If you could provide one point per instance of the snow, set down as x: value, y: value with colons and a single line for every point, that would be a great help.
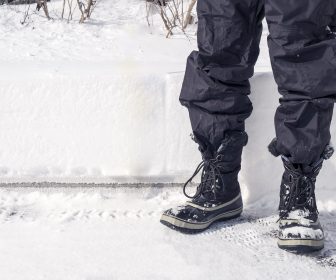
x: 98, y: 103
x: 299, y: 214
x: 302, y: 232
x: 55, y: 232
x: 299, y: 220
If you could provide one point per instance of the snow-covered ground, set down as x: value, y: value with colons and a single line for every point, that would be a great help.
x: 98, y: 102
x: 98, y: 233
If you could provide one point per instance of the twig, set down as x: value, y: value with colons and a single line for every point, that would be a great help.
x: 43, y: 4
x: 188, y: 15
x: 70, y: 10
x: 26, y: 15
x: 63, y: 9
x: 80, y: 6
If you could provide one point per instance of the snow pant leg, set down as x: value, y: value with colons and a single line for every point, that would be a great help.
x: 216, y: 87
x: 333, y: 20
x: 303, y: 56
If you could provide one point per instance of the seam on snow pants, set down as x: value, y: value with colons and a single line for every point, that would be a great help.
x: 302, y: 49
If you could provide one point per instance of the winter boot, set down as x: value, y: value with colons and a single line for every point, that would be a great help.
x: 218, y: 195
x: 299, y: 227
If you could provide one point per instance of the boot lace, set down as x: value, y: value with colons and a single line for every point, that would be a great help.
x: 210, y: 171
x: 301, y: 194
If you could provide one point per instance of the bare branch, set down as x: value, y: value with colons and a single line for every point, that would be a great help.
x: 43, y: 4
x: 188, y: 15
x: 172, y: 13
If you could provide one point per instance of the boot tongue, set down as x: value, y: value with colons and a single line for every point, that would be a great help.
x: 302, y: 186
x: 303, y: 190
x: 306, y: 200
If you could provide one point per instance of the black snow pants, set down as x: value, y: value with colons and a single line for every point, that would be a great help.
x: 302, y: 48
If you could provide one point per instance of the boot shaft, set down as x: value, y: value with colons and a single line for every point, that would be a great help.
x: 297, y: 190
x: 219, y: 180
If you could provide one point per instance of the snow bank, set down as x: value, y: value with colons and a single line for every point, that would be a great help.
x: 101, y: 125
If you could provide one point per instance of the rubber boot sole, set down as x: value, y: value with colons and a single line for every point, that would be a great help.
x: 192, y: 227
x: 301, y: 245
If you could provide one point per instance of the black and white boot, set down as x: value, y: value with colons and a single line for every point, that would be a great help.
x: 218, y: 195
x: 299, y: 227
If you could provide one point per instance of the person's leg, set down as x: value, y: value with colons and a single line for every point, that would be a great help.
x: 215, y: 91
x: 333, y: 23
x: 216, y: 83
x: 302, y: 50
